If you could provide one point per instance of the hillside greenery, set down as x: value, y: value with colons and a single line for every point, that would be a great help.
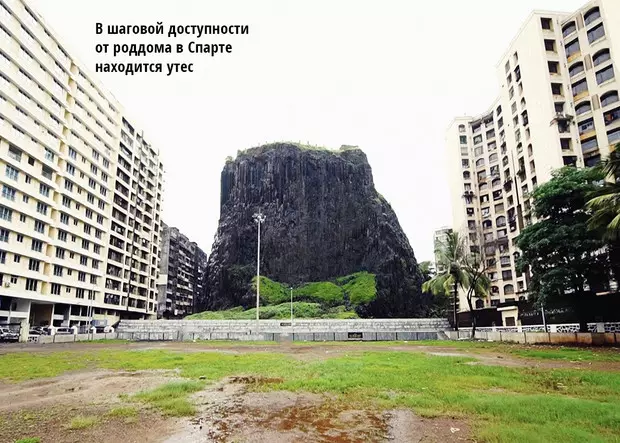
x: 326, y: 299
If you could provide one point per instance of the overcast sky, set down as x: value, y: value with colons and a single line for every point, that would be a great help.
x: 386, y: 75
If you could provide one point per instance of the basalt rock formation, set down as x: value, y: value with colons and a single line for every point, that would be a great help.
x: 323, y: 220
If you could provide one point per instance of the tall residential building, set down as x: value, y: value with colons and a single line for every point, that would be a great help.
x: 182, y: 274
x: 81, y: 187
x: 558, y: 105
x: 439, y: 237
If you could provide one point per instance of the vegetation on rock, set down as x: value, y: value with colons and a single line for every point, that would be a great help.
x: 324, y: 299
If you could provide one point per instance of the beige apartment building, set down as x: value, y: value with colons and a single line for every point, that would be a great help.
x: 558, y: 105
x: 81, y: 188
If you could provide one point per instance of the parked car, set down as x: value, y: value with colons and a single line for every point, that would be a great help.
x: 64, y: 331
x: 6, y: 335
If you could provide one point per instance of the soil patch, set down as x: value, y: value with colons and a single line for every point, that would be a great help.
x: 79, y: 388
x: 52, y: 425
x: 230, y: 412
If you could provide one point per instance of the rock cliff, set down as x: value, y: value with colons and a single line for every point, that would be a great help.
x: 323, y: 220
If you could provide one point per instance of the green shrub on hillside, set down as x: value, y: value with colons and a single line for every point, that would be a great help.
x: 271, y: 292
x: 323, y: 292
x: 361, y: 287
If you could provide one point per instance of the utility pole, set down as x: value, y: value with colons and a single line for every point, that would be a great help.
x: 291, y: 306
x: 258, y: 218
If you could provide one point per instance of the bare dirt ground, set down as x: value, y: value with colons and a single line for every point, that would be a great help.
x: 229, y: 413
x: 44, y: 408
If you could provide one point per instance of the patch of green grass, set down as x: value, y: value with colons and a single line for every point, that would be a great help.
x: 172, y: 398
x: 83, y: 422
x: 123, y: 411
x: 29, y: 440
x: 20, y: 366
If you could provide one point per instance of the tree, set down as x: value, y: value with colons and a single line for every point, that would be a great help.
x: 476, y: 267
x: 606, y: 203
x: 451, y: 258
x: 605, y: 207
x: 565, y: 257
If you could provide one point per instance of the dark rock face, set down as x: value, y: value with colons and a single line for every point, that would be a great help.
x: 324, y: 219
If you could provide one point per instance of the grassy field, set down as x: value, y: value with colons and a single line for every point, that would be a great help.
x: 501, y: 403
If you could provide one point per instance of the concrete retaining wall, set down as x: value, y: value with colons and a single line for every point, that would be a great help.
x: 539, y: 338
x: 69, y: 338
x: 188, y: 327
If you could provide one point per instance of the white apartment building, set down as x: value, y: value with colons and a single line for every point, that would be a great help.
x: 81, y: 188
x: 558, y: 105
x: 439, y: 238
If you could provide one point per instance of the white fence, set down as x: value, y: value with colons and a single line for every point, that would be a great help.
x: 563, y: 328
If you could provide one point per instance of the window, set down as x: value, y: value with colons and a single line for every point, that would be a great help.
x: 554, y: 67
x: 66, y: 201
x: 70, y: 169
x: 49, y: 155
x: 572, y: 48
x: 465, y: 163
x: 613, y: 136
x: 31, y: 284
x: 596, y: 33
x: 96, y: 249
x: 589, y: 144
x: 64, y: 218
x: 463, y: 139
x: 72, y: 153
x: 580, y: 87
x: 6, y: 213
x: 477, y: 139
x: 16, y: 258
x: 605, y: 74
x: 493, y: 158
x: 58, y: 270
x: 565, y: 143
x: 582, y: 108
x: 575, y: 69
x: 466, y: 175
x: 46, y: 172
x: 34, y: 265
x: 39, y: 226
x: 20, y: 238
x: 8, y: 193
x: 546, y: 23
x: 480, y: 162
x: 601, y: 56
x: 568, y: 29
x: 609, y: 98
x: 44, y: 190
x: 4, y: 235
x: 79, y: 293
x: 506, y: 275
x: 556, y: 89
x: 42, y: 208
x: 37, y: 245
x: 85, y: 244
x: 586, y: 126
x: 83, y: 260
x: 509, y: 289
x: 611, y: 116
x: 60, y: 253
x: 11, y: 172
x: 592, y: 15
x: 55, y: 289
x: 81, y: 276
x: 62, y: 235
x: 550, y: 45
x: 15, y: 153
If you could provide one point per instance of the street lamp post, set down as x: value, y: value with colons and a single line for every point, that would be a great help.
x: 291, y: 306
x: 258, y: 218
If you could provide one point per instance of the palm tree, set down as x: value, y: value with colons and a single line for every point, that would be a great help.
x: 606, y: 204
x: 452, y: 260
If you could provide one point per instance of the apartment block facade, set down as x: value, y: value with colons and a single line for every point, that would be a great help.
x: 182, y: 274
x: 81, y: 188
x: 558, y: 105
